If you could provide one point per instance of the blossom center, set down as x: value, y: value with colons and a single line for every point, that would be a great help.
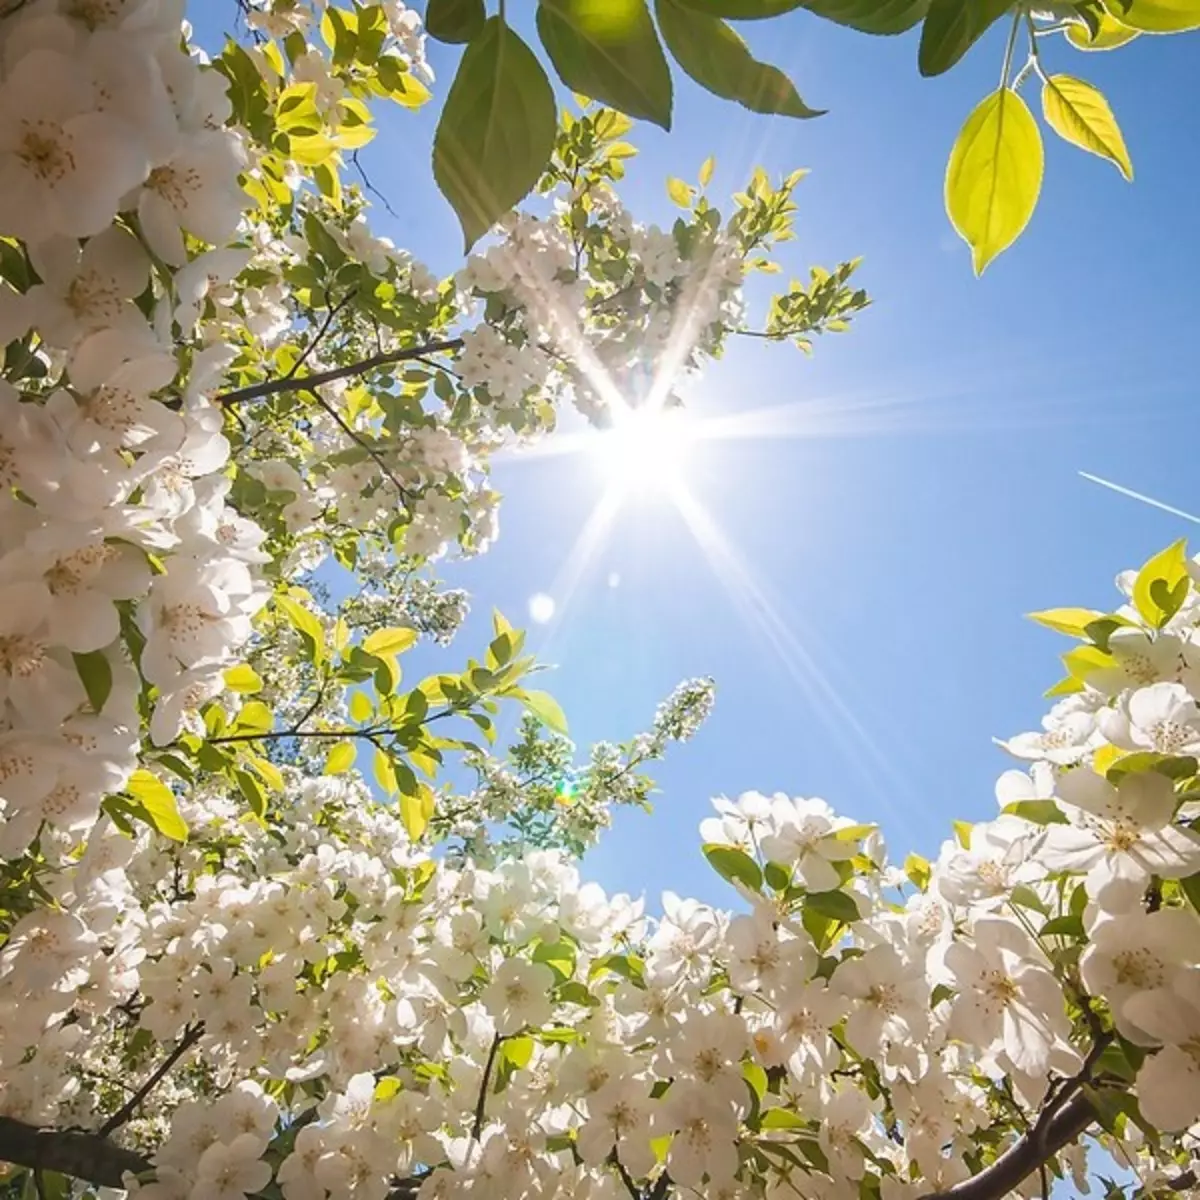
x: 173, y: 184
x: 1000, y: 987
x: 21, y: 656
x: 43, y: 151
x: 1140, y: 968
x: 1170, y: 737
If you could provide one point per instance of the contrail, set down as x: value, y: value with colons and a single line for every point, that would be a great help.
x: 1124, y: 491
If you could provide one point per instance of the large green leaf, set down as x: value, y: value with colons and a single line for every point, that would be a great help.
x: 157, y: 804
x: 743, y: 10
x: 1108, y: 34
x: 1156, y: 16
x: 608, y: 50
x: 1079, y: 113
x: 952, y: 27
x: 994, y: 175
x: 871, y: 16
x: 717, y: 59
x: 734, y: 865
x: 497, y: 129
x: 455, y: 21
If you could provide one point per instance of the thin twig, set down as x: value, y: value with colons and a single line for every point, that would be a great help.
x: 319, y: 336
x: 272, y: 387
x: 362, y: 442
x: 477, y: 1125
x: 626, y: 1179
x: 372, y: 188
x: 190, y: 1037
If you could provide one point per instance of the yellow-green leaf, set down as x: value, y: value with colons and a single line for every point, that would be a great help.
x: 159, y: 802
x: 994, y: 175
x: 341, y: 758
x: 679, y: 192
x: 1156, y: 16
x: 1080, y: 114
x: 1071, y: 621
x: 1109, y: 34
x: 546, y: 709
x: 305, y: 622
x: 706, y: 170
x: 243, y: 678
x: 361, y: 708
x: 1162, y: 585
x: 254, y: 717
x: 270, y: 773
x: 390, y: 641
x: 385, y: 772
x: 417, y: 810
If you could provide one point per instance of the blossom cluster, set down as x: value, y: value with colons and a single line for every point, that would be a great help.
x: 122, y: 564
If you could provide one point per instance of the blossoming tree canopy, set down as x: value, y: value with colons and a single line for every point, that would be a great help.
x: 256, y: 942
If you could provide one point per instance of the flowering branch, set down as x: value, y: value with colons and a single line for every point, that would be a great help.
x: 287, y: 383
x: 74, y: 1152
x: 477, y: 1125
x: 190, y: 1037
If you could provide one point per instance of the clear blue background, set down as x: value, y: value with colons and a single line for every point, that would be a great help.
x: 935, y: 501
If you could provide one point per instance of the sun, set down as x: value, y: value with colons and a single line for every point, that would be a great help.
x: 645, y: 450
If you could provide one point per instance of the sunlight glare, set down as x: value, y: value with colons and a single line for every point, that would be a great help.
x: 645, y: 450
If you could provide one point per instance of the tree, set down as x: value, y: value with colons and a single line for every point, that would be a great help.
x: 231, y: 967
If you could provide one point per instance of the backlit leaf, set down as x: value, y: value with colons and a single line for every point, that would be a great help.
x: 454, y: 21
x: 734, y: 865
x: 546, y: 709
x: 1079, y: 113
x: 1156, y: 16
x: 390, y: 641
x: 496, y: 130
x: 340, y: 758
x: 994, y: 175
x: 158, y: 801
x: 1162, y: 585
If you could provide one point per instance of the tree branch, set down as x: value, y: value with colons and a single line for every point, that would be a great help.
x: 190, y: 1037
x: 1026, y: 1155
x: 477, y: 1127
x: 287, y: 383
x: 87, y: 1156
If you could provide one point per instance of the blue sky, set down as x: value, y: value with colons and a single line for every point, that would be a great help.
x: 901, y: 551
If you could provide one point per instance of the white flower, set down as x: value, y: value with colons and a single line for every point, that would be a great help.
x: 1120, y: 835
x: 231, y: 1171
x: 889, y: 999
x: 1006, y: 1001
x: 805, y: 839
x: 1063, y: 740
x: 89, y: 289
x: 1164, y: 718
x: 1168, y: 1083
x: 518, y: 995
x: 32, y: 678
x: 619, y: 1116
x: 705, y: 1124
x: 63, y: 166
x: 195, y: 190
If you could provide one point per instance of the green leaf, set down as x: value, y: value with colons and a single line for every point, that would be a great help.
x: 885, y: 17
x: 517, y: 1050
x: 756, y: 1078
x: 952, y: 27
x: 250, y: 789
x: 1156, y: 16
x: 1080, y: 114
x: 545, y: 708
x: 417, y: 808
x: 305, y: 623
x: 608, y: 50
x: 994, y: 175
x: 361, y: 708
x: 1108, y: 34
x: 839, y: 906
x: 680, y: 193
x: 743, y: 10
x: 390, y: 641
x: 496, y: 131
x: 243, y: 678
x: 1068, y: 926
x: 1191, y: 889
x: 783, y: 1118
x: 254, y: 717
x: 1162, y: 585
x: 918, y: 871
x: 1071, y: 621
x: 733, y: 865
x: 778, y: 878
x: 95, y: 673
x: 1040, y: 812
x: 454, y: 21
x: 158, y: 801
x: 717, y: 59
x: 341, y: 758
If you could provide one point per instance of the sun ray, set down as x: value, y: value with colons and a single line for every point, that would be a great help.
x: 761, y: 615
x: 1144, y: 499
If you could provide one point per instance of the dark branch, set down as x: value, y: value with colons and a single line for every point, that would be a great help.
x: 481, y: 1104
x: 363, y: 444
x: 1026, y: 1155
x: 190, y: 1037
x: 86, y: 1156
x: 287, y: 383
